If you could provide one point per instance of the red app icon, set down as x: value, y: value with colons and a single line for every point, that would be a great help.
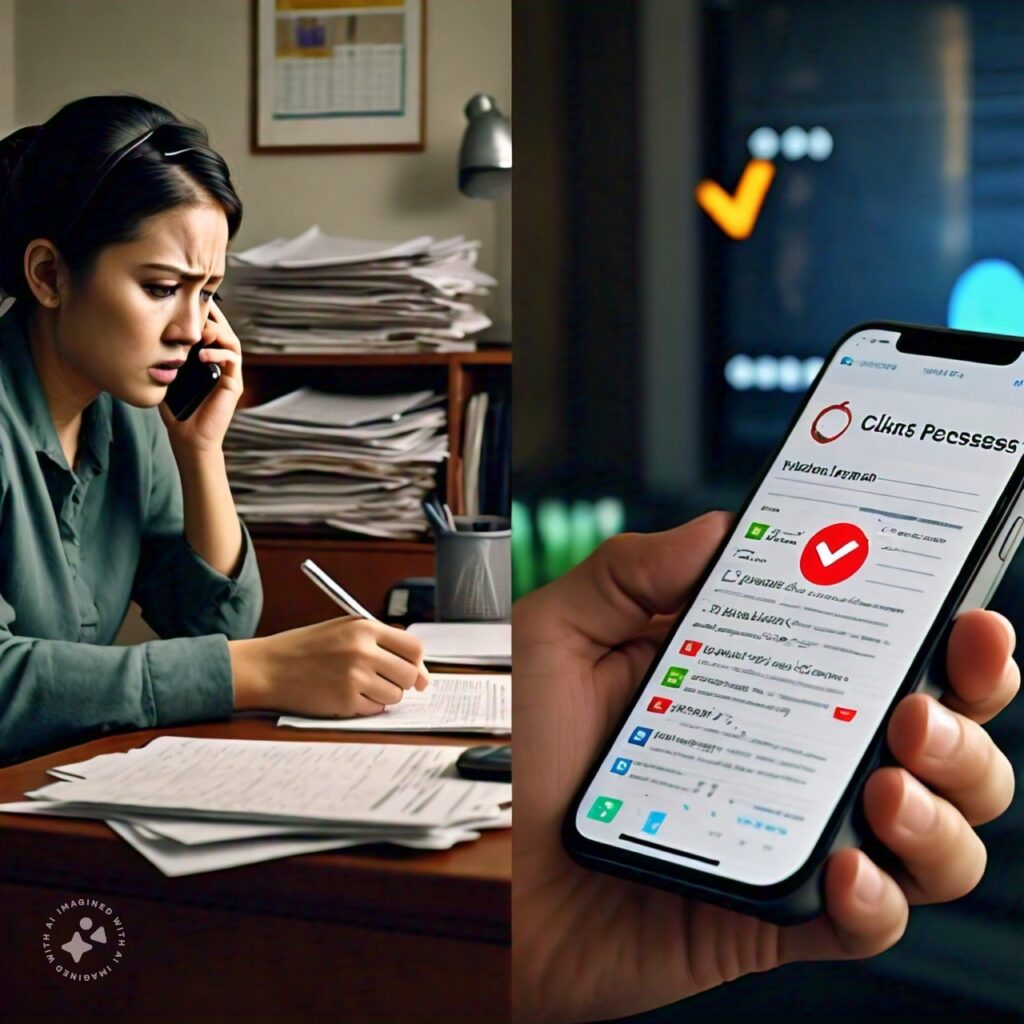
x: 834, y: 554
x: 659, y: 705
x: 691, y: 648
x: 844, y: 714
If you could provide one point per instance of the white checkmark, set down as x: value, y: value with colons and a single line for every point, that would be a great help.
x: 829, y: 557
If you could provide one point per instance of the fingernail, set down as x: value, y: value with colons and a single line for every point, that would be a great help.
x: 917, y: 812
x: 943, y: 731
x: 869, y: 885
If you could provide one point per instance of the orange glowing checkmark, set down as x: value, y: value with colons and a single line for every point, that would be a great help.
x: 737, y: 214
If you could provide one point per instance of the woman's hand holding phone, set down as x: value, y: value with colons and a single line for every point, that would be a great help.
x: 588, y: 946
x: 204, y: 430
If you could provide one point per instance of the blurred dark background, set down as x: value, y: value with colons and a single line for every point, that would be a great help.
x: 658, y: 360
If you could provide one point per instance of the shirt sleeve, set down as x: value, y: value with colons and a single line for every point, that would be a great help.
x: 55, y: 693
x: 179, y: 593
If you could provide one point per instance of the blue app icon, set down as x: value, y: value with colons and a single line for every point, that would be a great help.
x: 846, y: 361
x: 640, y: 736
x: 622, y: 765
x: 653, y: 822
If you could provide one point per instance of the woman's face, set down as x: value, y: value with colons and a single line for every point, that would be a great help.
x: 145, y: 304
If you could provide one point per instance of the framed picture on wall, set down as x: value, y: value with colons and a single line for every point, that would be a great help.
x: 338, y: 75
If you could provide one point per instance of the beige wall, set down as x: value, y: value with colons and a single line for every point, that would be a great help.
x: 7, y: 114
x: 194, y: 57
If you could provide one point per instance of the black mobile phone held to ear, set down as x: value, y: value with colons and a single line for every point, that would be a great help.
x: 895, y: 502
x: 195, y: 380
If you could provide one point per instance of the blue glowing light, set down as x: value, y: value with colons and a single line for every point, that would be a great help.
x: 989, y: 296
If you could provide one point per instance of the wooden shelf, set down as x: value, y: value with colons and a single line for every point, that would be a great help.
x: 366, y: 566
x: 315, y: 538
x: 482, y: 357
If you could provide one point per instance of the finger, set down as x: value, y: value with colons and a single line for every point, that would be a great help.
x: 611, y: 596
x: 381, y: 690
x: 230, y: 361
x: 943, y: 857
x: 866, y: 913
x: 399, y: 671
x: 401, y: 643
x: 423, y: 679
x: 981, y: 671
x: 953, y: 755
x: 364, y: 707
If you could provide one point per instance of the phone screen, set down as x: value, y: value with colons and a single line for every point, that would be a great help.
x: 748, y: 732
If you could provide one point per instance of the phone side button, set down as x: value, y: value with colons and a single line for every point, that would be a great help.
x: 1012, y: 540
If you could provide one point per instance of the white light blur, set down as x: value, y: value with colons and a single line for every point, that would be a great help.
x: 763, y: 143
x: 819, y: 143
x: 794, y: 143
x: 739, y: 372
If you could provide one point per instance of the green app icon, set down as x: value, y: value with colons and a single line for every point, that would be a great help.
x: 755, y: 531
x: 674, y: 677
x: 605, y: 808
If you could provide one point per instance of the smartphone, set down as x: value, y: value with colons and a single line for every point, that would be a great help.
x: 895, y: 501
x: 195, y: 380
x: 489, y: 764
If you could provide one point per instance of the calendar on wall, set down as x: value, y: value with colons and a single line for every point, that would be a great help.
x: 338, y: 74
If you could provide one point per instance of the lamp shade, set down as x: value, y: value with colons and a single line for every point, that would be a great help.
x: 485, y: 156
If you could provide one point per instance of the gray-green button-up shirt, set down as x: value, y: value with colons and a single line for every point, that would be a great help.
x: 75, y: 548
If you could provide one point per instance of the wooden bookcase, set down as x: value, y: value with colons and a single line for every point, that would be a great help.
x: 365, y: 567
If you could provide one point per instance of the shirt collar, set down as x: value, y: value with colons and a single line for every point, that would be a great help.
x: 21, y: 382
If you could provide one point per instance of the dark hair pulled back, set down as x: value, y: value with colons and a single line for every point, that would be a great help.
x: 50, y: 184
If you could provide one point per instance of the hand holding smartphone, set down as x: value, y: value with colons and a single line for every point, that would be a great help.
x: 895, y: 502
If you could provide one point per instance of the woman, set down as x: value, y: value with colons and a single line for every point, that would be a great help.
x: 114, y: 224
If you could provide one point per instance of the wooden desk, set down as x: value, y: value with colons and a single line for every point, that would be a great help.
x: 376, y: 934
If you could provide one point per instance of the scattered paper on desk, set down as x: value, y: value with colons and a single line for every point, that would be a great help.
x: 451, y: 703
x: 481, y: 644
x: 180, y: 841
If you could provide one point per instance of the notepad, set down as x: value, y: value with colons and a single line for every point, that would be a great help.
x: 452, y: 703
x: 482, y: 644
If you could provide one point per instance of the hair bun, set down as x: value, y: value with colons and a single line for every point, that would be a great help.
x: 12, y: 149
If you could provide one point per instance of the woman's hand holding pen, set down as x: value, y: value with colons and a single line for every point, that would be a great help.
x: 339, y: 668
x: 204, y: 430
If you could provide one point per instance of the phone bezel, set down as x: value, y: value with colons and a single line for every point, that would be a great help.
x: 720, y: 888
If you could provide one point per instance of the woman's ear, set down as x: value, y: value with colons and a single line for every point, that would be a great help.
x: 45, y: 272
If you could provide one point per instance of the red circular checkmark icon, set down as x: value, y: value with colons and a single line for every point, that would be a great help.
x: 834, y: 554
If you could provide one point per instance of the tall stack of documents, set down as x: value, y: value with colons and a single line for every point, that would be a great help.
x: 190, y: 805
x: 359, y: 463
x: 324, y: 293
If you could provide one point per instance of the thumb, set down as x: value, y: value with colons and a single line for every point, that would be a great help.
x: 612, y: 596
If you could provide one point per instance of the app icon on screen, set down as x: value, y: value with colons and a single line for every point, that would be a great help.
x: 691, y: 648
x: 674, y: 677
x: 605, y: 808
x: 755, y: 531
x: 621, y: 765
x: 653, y: 822
x: 640, y: 736
x: 659, y: 705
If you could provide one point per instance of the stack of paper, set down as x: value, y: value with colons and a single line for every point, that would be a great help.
x: 451, y: 703
x: 190, y: 805
x: 353, y: 462
x: 324, y: 293
x: 482, y: 644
